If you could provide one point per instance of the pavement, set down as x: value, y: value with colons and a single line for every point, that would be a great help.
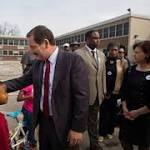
x: 11, y: 69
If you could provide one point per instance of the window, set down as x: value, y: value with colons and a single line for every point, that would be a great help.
x: 10, y: 52
x: 82, y: 37
x: 100, y: 33
x: 119, y: 30
x: 21, y: 42
x: 105, y: 32
x: 1, y: 52
x: 75, y: 38
x: 72, y: 39
x: 15, y: 42
x: 112, y: 31
x: 69, y: 40
x: 15, y: 53
x: 126, y: 29
x: 59, y: 42
x: 24, y: 51
x: 66, y: 40
x: 11, y: 41
x: 5, y: 41
x: 4, y: 52
x: 21, y: 53
x: 26, y: 42
x: 1, y: 41
x: 79, y: 39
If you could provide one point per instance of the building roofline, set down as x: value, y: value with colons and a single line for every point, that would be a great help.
x: 12, y: 37
x: 141, y: 16
x: 125, y: 16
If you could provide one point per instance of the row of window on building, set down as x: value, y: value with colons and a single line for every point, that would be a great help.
x: 7, y: 41
x: 107, y: 32
x: 12, y: 52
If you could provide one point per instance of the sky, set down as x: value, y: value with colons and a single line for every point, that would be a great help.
x: 62, y: 16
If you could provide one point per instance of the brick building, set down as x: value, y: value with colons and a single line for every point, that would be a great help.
x: 124, y: 30
x: 12, y: 48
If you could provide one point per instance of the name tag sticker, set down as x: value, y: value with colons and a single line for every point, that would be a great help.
x: 109, y: 73
x: 147, y: 77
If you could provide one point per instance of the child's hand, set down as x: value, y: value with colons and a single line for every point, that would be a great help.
x: 3, y: 94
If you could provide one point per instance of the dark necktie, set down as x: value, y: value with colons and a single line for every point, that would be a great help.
x: 46, y: 89
x: 93, y: 54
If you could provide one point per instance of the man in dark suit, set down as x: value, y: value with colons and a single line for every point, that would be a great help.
x: 60, y: 92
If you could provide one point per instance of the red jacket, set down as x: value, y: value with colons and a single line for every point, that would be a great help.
x: 4, y: 134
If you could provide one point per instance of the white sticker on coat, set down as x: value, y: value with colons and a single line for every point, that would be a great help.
x: 147, y: 77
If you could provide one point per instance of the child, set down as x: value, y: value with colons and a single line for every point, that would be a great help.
x: 26, y: 95
x: 4, y: 134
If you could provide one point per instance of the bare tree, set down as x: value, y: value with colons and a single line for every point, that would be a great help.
x: 9, y: 29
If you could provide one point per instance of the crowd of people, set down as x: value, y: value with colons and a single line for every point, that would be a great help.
x: 79, y: 88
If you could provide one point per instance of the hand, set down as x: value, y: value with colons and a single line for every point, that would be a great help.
x: 126, y: 112
x: 3, y: 94
x: 74, y: 137
x: 134, y: 114
x: 106, y: 96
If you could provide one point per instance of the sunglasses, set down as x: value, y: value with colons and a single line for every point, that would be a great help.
x: 121, y: 52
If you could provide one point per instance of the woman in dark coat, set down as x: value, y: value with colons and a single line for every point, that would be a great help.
x: 135, y: 126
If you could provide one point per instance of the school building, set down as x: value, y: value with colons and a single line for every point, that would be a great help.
x: 12, y: 48
x: 124, y: 30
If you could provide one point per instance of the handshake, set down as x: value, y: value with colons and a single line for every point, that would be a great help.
x: 3, y: 94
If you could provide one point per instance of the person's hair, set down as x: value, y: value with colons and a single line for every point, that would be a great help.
x: 40, y: 33
x: 109, y: 46
x: 89, y: 33
x: 112, y: 45
x: 145, y: 47
x: 123, y: 47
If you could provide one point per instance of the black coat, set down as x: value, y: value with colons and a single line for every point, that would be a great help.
x: 136, y: 92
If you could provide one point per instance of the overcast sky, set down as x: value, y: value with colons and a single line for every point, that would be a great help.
x: 63, y: 16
